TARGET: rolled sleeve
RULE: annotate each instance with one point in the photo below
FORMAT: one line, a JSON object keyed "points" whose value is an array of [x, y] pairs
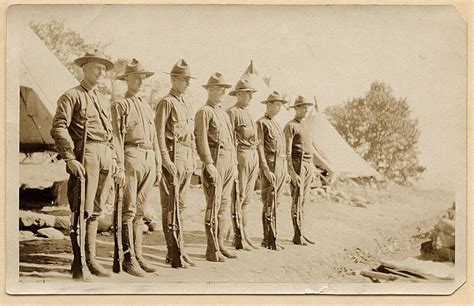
{"points": [[163, 112], [201, 129], [59, 131]]}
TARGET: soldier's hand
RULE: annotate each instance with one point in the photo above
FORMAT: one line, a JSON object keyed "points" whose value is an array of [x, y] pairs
{"points": [[295, 179], [235, 172], [120, 178], [212, 170], [76, 168], [171, 168], [269, 175], [158, 178]]}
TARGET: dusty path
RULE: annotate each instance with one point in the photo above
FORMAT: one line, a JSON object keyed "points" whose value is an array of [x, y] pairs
{"points": [[347, 239]]}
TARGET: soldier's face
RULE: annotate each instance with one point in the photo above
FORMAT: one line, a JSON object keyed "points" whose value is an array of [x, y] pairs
{"points": [[244, 97], [180, 83], [94, 72], [216, 93], [274, 108], [301, 111], [135, 83]]}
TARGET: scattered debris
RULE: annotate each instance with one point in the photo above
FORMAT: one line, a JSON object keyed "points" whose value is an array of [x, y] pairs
{"points": [[50, 232], [26, 235], [29, 219]]}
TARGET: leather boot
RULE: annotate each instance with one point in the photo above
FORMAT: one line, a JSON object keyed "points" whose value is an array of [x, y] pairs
{"points": [[138, 242], [130, 263], [297, 238], [91, 235], [222, 229], [213, 253], [245, 235], [265, 231]]}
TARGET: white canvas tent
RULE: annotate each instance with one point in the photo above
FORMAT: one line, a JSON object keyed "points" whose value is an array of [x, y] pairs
{"points": [[332, 152], [42, 80]]}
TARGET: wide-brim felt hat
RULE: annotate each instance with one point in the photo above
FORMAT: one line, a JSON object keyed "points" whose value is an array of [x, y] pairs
{"points": [[300, 100], [242, 85], [275, 96], [95, 56], [217, 79], [181, 68], [134, 67]]}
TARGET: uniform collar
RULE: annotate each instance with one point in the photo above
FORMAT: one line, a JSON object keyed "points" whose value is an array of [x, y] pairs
{"points": [[129, 95], [268, 117], [175, 93], [88, 86], [298, 120], [213, 105]]}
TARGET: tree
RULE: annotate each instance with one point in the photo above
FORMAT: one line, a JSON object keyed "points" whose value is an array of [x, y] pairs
{"points": [[65, 43], [379, 127]]}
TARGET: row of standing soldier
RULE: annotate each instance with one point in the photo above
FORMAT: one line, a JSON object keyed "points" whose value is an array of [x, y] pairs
{"points": [[122, 143]]}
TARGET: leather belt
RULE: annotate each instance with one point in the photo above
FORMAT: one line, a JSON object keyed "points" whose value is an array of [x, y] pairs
{"points": [[138, 145]]}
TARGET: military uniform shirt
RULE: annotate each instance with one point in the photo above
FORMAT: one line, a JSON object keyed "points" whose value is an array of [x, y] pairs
{"points": [[133, 125], [68, 122], [244, 128], [212, 129], [181, 125], [271, 140], [297, 140]]}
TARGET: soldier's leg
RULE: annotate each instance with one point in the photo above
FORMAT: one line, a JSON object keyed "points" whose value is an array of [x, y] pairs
{"points": [[98, 180], [266, 188], [212, 192], [145, 185], [185, 167], [226, 170], [165, 197], [280, 175], [308, 177], [250, 178], [132, 169]]}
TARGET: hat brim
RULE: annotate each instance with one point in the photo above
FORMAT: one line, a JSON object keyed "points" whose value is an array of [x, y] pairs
{"points": [[217, 85], [81, 61], [271, 101], [178, 74], [234, 92], [146, 73], [307, 104]]}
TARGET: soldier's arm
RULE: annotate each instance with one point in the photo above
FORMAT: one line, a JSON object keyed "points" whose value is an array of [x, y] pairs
{"points": [[59, 131], [289, 135], [118, 125], [201, 128], [163, 112], [158, 160], [261, 145]]}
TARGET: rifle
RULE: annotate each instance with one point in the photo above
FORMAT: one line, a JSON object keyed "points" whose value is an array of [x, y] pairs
{"points": [[118, 206], [211, 213], [173, 219], [271, 216], [118, 248], [79, 267], [236, 213], [299, 203]]}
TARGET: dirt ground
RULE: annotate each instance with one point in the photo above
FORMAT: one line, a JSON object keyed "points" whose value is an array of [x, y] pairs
{"points": [[348, 239]]}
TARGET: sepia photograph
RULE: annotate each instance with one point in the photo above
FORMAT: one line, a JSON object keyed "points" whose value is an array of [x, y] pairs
{"points": [[236, 149]]}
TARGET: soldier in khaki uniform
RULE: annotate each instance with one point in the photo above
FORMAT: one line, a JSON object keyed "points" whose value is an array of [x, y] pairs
{"points": [[215, 147], [299, 156], [245, 135], [81, 104], [139, 164], [174, 122], [271, 151]]}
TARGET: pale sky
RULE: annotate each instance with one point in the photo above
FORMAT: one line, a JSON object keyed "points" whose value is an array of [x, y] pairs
{"points": [[331, 52]]}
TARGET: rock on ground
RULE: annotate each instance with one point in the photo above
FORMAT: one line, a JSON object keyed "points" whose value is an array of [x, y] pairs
{"points": [[51, 233]]}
